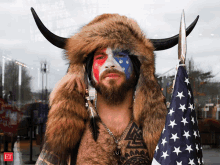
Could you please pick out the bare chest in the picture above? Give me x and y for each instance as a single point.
(132, 147)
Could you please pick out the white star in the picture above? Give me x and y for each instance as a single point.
(189, 93)
(164, 129)
(164, 141)
(156, 148)
(193, 120)
(178, 163)
(184, 121)
(186, 134)
(172, 123)
(182, 107)
(187, 80)
(171, 111)
(174, 137)
(180, 95)
(177, 150)
(191, 107)
(195, 133)
(127, 62)
(164, 154)
(197, 147)
(123, 69)
(120, 61)
(191, 161)
(189, 148)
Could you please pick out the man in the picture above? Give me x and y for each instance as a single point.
(129, 114)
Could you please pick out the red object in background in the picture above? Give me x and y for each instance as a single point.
(8, 156)
(9, 118)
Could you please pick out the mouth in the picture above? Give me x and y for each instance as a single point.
(112, 75)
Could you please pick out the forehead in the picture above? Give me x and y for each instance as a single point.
(108, 50)
(100, 50)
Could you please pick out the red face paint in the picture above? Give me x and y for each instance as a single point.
(99, 59)
(107, 58)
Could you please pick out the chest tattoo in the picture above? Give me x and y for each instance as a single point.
(136, 150)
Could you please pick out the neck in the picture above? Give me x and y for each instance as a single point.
(115, 117)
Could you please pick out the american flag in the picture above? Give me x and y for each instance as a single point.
(180, 142)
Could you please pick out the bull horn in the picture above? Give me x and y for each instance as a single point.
(159, 44)
(166, 43)
(59, 42)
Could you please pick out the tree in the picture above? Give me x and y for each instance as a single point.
(198, 78)
(200, 82)
(11, 85)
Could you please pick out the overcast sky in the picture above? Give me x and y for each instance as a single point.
(21, 40)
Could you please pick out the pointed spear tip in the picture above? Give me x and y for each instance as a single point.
(183, 14)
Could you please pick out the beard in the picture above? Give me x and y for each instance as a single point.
(114, 94)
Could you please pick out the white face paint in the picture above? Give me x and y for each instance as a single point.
(107, 59)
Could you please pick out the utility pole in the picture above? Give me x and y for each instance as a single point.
(44, 70)
(217, 109)
(3, 76)
(20, 65)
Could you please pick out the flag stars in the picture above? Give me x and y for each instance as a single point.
(182, 107)
(192, 119)
(164, 155)
(172, 123)
(164, 141)
(120, 61)
(186, 134)
(163, 129)
(191, 162)
(180, 95)
(195, 134)
(178, 163)
(177, 150)
(123, 69)
(187, 81)
(189, 148)
(156, 148)
(174, 137)
(184, 121)
(127, 62)
(171, 112)
(189, 93)
(191, 107)
(197, 147)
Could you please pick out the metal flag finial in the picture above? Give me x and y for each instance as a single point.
(182, 40)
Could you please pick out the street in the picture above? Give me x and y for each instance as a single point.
(211, 155)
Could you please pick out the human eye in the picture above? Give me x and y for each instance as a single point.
(99, 57)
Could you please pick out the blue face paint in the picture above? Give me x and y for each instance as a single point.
(123, 59)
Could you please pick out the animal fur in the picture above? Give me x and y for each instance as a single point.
(68, 116)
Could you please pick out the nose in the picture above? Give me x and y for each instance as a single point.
(109, 66)
(109, 63)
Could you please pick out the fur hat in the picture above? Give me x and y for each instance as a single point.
(68, 115)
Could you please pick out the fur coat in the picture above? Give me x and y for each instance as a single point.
(68, 116)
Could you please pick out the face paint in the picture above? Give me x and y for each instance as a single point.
(106, 58)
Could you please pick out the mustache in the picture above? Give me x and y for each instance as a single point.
(110, 71)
